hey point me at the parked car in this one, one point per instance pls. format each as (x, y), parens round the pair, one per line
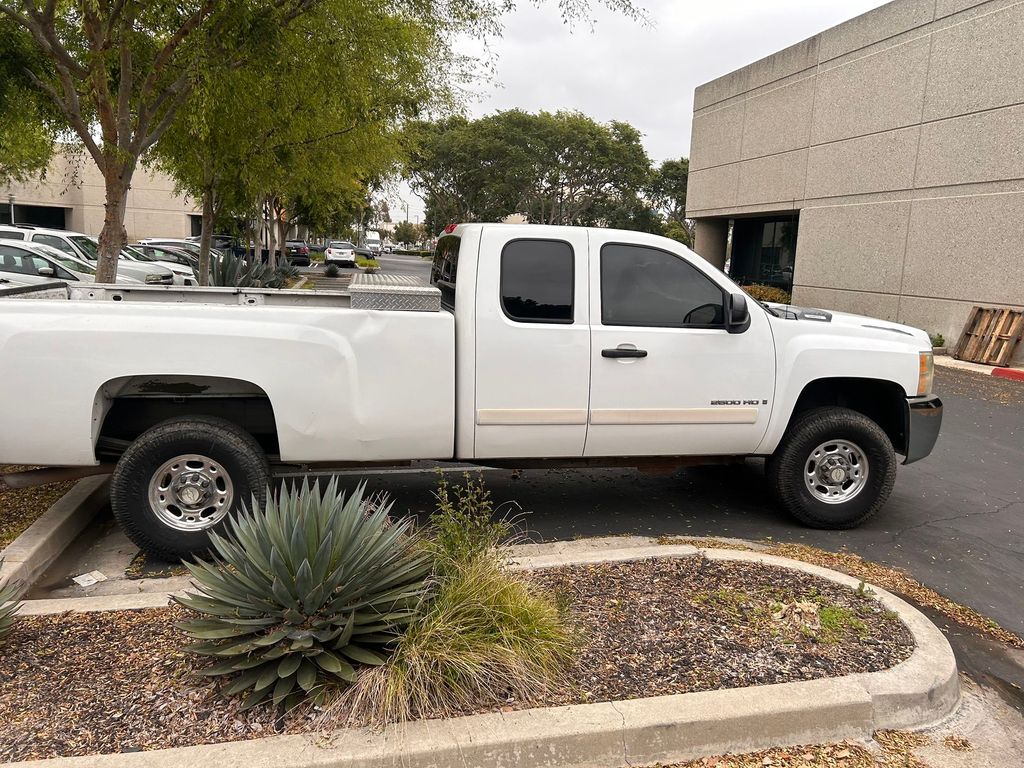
(223, 244)
(34, 262)
(168, 253)
(85, 248)
(183, 272)
(186, 245)
(340, 252)
(297, 253)
(533, 346)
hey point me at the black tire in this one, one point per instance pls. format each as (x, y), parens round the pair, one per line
(223, 442)
(785, 469)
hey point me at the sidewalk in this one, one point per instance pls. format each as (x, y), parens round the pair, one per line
(1016, 374)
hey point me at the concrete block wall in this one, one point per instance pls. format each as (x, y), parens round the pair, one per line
(899, 136)
(72, 181)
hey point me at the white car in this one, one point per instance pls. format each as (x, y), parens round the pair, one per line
(341, 253)
(534, 346)
(189, 246)
(183, 273)
(86, 249)
(35, 262)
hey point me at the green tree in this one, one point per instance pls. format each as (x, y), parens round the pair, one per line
(667, 191)
(553, 168)
(406, 232)
(119, 71)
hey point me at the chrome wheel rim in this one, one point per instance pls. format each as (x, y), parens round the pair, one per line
(191, 492)
(836, 471)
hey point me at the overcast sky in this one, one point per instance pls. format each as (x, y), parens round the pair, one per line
(619, 69)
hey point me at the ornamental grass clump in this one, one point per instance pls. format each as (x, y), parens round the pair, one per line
(302, 591)
(10, 602)
(486, 636)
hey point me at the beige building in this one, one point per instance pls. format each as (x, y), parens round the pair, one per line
(877, 167)
(70, 196)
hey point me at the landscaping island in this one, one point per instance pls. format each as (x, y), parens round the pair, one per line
(79, 684)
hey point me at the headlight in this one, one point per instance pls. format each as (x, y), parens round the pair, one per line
(926, 373)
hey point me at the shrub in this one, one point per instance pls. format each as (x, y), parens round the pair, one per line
(287, 272)
(331, 270)
(302, 590)
(230, 271)
(464, 527)
(484, 635)
(938, 340)
(768, 293)
(488, 635)
(10, 601)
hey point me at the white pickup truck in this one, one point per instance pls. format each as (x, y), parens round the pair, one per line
(532, 346)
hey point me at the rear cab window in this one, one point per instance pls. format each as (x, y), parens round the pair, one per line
(445, 267)
(537, 281)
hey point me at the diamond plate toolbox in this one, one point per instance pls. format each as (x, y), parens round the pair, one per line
(398, 292)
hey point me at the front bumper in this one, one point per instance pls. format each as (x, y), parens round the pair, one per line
(922, 419)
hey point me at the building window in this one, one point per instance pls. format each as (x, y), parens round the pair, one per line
(643, 286)
(536, 281)
(764, 252)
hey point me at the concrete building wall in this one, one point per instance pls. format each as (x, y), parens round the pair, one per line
(73, 182)
(899, 138)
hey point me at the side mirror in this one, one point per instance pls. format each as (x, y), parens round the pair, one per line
(737, 316)
(46, 271)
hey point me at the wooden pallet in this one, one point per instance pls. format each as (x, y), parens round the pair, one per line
(990, 336)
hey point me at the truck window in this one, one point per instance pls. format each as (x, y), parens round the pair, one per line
(445, 267)
(642, 286)
(537, 281)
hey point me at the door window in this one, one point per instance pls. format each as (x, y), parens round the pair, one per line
(537, 281)
(643, 286)
(54, 242)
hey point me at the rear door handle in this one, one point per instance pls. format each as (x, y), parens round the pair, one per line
(619, 352)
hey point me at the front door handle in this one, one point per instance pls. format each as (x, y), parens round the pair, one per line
(621, 352)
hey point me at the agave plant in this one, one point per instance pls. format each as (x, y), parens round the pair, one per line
(301, 591)
(229, 271)
(10, 601)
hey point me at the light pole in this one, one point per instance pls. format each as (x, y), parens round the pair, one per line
(10, 203)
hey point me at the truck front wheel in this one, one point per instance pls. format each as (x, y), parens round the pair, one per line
(834, 468)
(182, 479)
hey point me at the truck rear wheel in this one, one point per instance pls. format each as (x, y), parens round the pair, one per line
(834, 468)
(182, 479)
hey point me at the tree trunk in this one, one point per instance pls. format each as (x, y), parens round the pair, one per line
(282, 227)
(271, 232)
(206, 236)
(117, 182)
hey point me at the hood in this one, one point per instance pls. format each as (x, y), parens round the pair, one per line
(869, 326)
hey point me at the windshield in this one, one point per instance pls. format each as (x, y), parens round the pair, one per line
(86, 245)
(136, 254)
(72, 265)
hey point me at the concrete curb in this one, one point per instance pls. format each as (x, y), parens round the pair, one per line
(28, 556)
(920, 691)
(1014, 374)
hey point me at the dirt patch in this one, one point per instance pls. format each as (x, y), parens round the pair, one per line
(22, 507)
(79, 684)
(888, 578)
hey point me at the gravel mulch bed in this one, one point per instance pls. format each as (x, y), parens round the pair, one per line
(20, 508)
(81, 684)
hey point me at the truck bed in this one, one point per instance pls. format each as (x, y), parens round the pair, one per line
(367, 291)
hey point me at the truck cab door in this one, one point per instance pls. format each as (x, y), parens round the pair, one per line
(532, 344)
(667, 376)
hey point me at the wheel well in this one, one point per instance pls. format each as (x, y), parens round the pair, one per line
(881, 401)
(128, 407)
